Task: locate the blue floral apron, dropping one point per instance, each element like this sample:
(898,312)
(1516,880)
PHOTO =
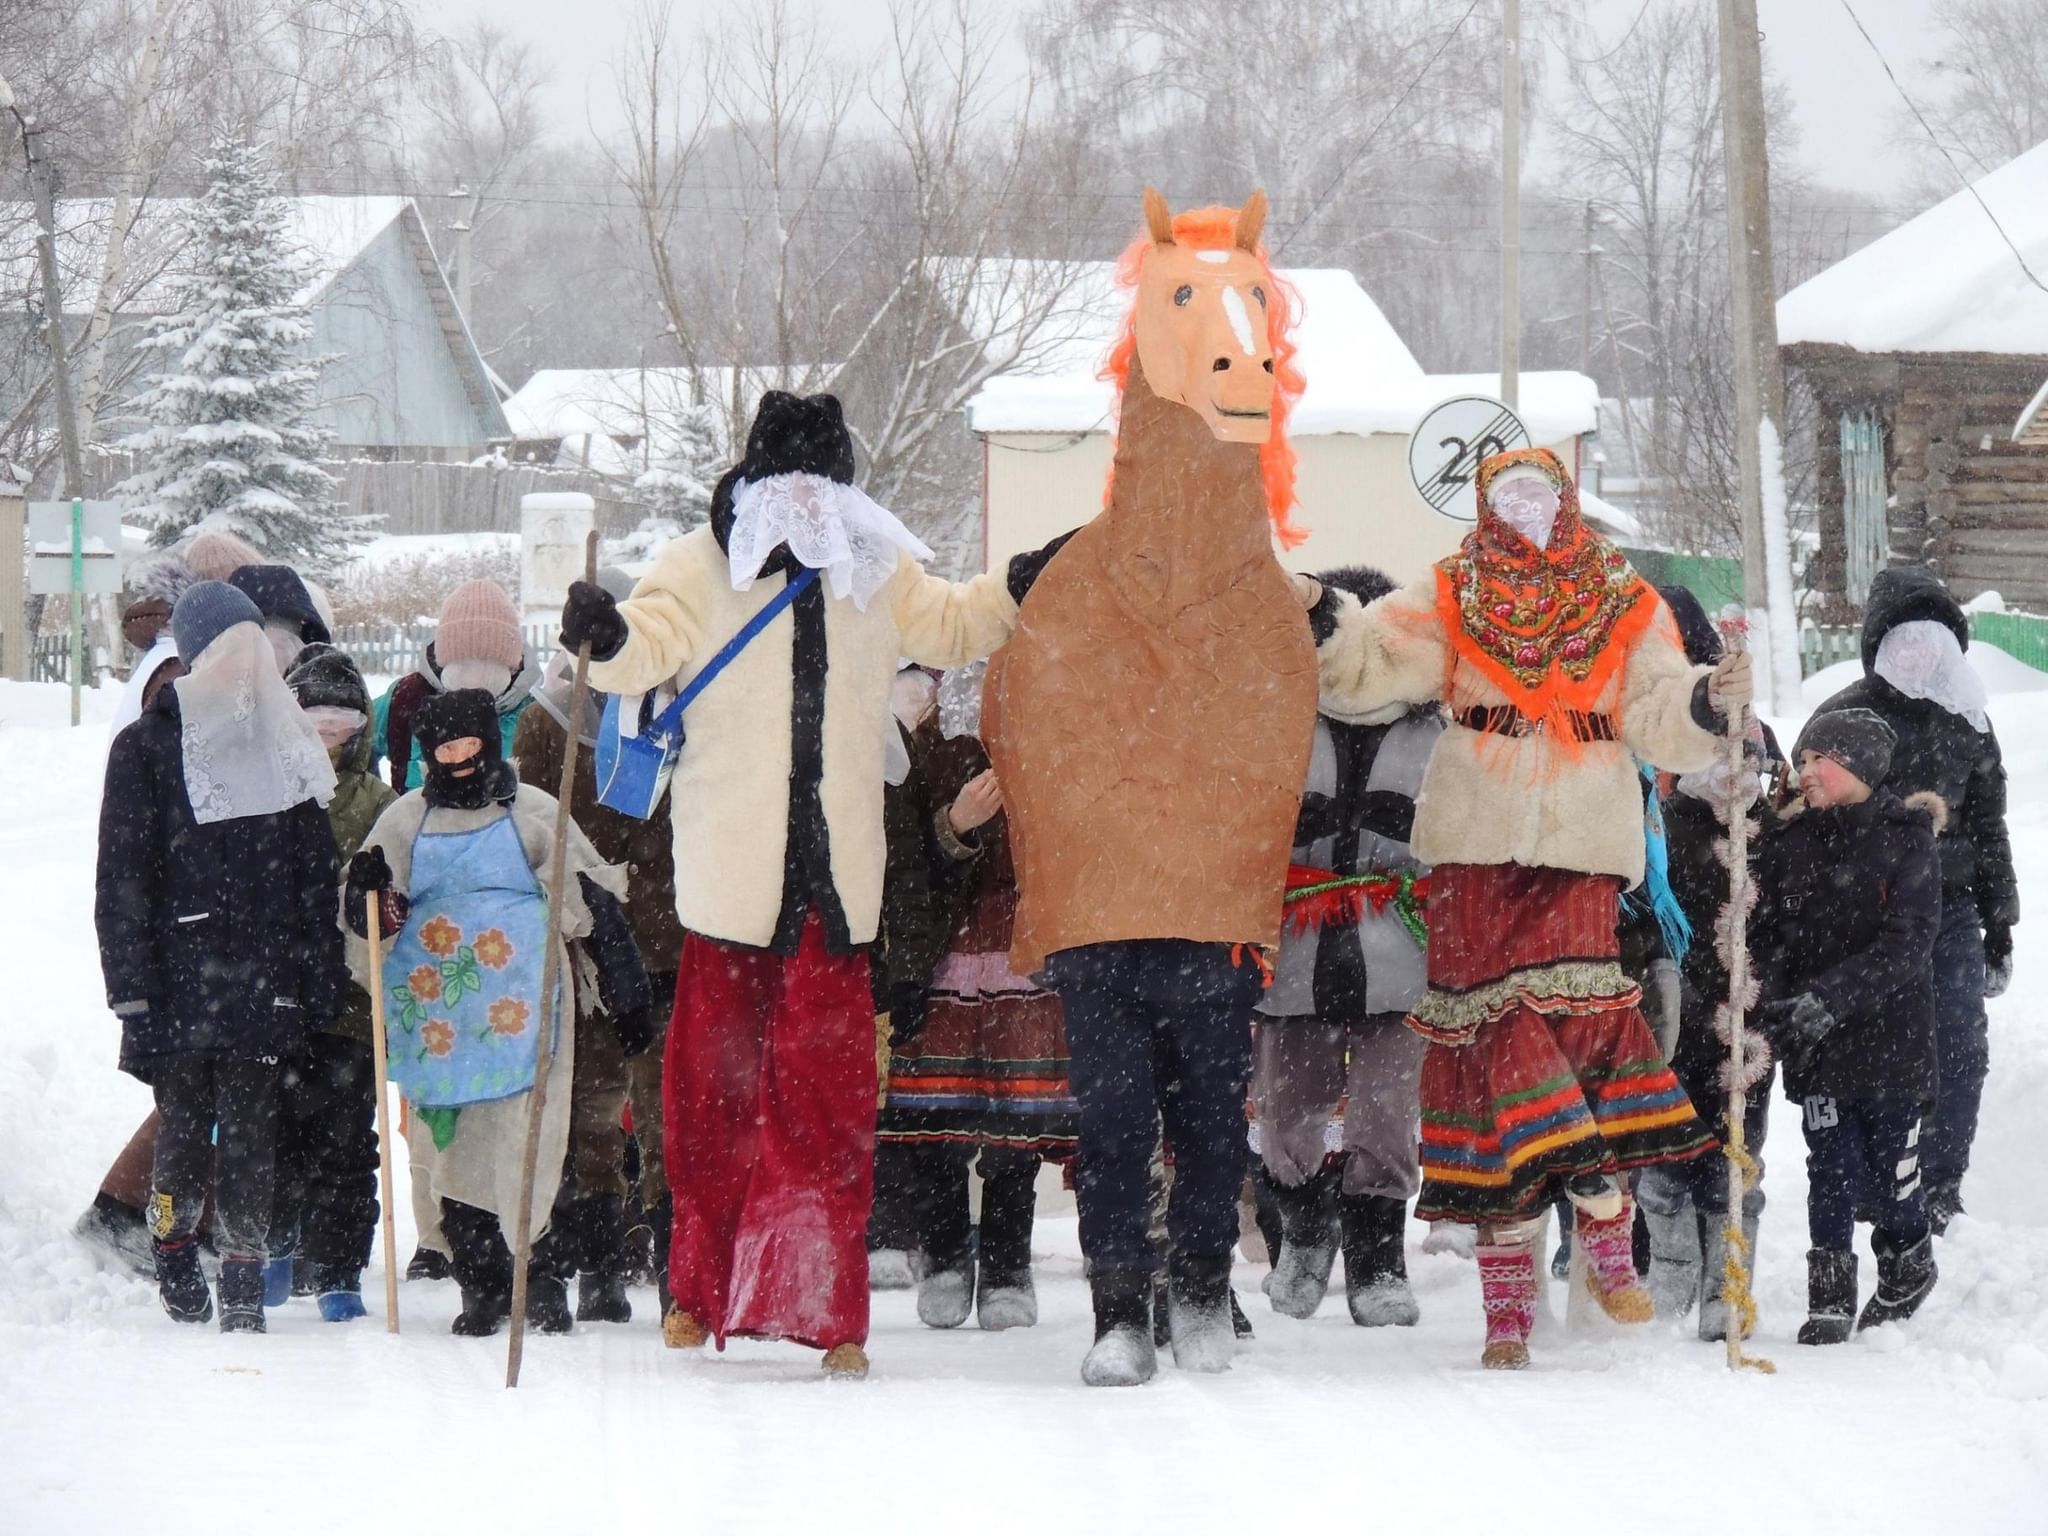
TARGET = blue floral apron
(465,1014)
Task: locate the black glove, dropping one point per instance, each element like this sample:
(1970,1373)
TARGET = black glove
(1796,1025)
(1997,959)
(592,614)
(635,1029)
(1025,569)
(367,873)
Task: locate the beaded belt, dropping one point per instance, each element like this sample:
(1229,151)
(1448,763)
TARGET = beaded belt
(1506,720)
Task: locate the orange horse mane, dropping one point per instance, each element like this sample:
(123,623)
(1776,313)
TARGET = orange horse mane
(1215,229)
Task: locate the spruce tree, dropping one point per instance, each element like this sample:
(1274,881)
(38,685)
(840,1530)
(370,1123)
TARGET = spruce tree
(677,491)
(232,442)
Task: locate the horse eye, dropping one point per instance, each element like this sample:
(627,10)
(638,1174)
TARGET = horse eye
(1259,294)
(1183,293)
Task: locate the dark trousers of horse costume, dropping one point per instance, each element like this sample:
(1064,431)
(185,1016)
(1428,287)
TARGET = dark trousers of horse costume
(1159,1030)
(769,1118)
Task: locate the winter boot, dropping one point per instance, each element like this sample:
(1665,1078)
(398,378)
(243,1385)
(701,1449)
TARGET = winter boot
(1452,1237)
(426,1264)
(1904,1277)
(180,1283)
(679,1330)
(1713,1235)
(483,1312)
(1123,1354)
(1308,1244)
(639,1267)
(119,1231)
(338,1293)
(1004,1301)
(241,1296)
(1675,1277)
(277,1280)
(600,1222)
(945,1296)
(547,1303)
(1375,1267)
(890,1269)
(1507,1289)
(482,1266)
(846,1362)
(1240,1325)
(1609,1247)
(1162,1330)
(1944,1203)
(1198,1312)
(1830,1296)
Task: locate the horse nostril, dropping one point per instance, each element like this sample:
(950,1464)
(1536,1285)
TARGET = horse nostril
(1268,365)
(1221,365)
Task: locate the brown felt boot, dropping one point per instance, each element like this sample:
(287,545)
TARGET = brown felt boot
(679,1330)
(846,1362)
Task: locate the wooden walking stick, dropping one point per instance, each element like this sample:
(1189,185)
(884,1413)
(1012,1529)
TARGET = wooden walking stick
(552,985)
(374,907)
(1732,935)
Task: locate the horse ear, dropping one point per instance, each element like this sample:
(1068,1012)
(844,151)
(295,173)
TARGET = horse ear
(1158,218)
(1251,219)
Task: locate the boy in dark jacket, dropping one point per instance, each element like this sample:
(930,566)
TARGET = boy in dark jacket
(1849,904)
(325,1215)
(215,906)
(1918,680)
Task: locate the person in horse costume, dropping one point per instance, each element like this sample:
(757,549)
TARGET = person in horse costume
(1150,723)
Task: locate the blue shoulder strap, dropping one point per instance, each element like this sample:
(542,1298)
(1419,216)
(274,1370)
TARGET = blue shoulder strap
(669,718)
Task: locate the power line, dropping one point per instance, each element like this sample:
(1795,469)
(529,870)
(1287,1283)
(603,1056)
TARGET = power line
(1602,58)
(1968,185)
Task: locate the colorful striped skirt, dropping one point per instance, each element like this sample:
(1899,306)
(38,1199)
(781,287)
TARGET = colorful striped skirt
(1540,1065)
(989,1068)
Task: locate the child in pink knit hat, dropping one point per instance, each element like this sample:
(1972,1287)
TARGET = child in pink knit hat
(477,644)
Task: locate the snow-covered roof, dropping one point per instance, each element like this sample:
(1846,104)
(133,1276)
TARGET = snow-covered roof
(1945,281)
(591,410)
(1360,375)
(334,230)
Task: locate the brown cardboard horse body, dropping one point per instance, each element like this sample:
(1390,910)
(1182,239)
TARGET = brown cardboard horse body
(1150,719)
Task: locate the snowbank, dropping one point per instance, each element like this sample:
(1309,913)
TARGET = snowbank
(2001,671)
(112,1418)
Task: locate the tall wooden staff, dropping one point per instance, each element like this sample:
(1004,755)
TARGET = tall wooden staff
(550,992)
(376,922)
(1732,937)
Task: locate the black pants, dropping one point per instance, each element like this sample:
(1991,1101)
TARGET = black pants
(1867,1148)
(1962,1036)
(1009,1203)
(1159,1030)
(194,1095)
(326,1204)
(900,1180)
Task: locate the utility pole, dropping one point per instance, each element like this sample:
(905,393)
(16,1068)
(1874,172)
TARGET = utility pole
(1586,299)
(462,229)
(1511,203)
(1759,376)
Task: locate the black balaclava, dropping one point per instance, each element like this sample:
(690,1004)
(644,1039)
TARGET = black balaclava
(490,780)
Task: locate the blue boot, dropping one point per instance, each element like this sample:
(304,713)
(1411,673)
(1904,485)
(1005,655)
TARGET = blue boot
(339,1292)
(277,1280)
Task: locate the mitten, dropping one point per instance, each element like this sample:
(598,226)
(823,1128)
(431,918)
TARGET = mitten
(1026,568)
(368,872)
(592,614)
(1997,960)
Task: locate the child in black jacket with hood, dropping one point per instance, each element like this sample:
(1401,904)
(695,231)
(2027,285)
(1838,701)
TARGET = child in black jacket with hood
(1849,905)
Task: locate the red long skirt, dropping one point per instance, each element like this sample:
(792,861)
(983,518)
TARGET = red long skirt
(768,1089)
(1539,1065)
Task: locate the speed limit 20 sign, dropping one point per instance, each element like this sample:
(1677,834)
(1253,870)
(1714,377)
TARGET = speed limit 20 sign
(1446,449)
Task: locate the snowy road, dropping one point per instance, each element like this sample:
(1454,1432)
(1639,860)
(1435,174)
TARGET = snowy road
(111,1419)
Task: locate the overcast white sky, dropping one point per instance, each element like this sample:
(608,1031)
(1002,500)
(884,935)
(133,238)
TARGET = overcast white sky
(1846,108)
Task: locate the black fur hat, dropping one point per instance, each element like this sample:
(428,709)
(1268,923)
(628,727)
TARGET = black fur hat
(798,434)
(1361,581)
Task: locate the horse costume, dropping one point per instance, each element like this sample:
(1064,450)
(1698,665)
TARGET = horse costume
(1150,723)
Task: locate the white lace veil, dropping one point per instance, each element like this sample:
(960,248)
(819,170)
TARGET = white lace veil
(249,749)
(830,527)
(1924,660)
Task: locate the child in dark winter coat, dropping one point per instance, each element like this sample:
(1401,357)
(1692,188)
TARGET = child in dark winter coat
(325,1216)
(215,909)
(1332,1025)
(459,869)
(1849,889)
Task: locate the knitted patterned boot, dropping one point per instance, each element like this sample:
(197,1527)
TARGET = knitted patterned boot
(1507,1289)
(1609,1248)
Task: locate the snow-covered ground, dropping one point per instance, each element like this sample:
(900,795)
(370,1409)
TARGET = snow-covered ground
(111,1418)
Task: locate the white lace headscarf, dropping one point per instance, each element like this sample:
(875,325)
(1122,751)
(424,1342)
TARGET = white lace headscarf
(1924,660)
(249,749)
(830,527)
